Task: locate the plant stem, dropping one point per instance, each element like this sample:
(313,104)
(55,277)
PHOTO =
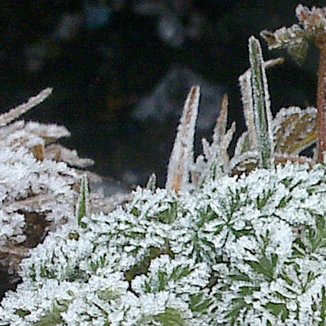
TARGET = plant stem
(321,100)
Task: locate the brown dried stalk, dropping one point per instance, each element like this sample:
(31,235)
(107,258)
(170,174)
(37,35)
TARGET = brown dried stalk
(321,101)
(181,157)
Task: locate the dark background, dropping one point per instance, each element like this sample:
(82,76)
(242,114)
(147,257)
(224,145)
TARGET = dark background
(105,63)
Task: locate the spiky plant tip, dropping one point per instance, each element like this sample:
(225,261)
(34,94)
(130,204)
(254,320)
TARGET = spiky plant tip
(82,207)
(261,103)
(181,158)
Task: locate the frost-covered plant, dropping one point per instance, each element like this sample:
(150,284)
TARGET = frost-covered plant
(37,182)
(216,247)
(296,39)
(245,251)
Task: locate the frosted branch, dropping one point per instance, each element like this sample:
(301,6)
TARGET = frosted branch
(15,113)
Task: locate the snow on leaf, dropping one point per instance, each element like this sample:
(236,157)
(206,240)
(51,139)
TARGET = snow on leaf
(50,132)
(294,39)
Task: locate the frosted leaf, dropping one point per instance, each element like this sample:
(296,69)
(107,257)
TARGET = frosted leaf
(182,154)
(252,240)
(313,20)
(247,100)
(15,113)
(215,159)
(261,100)
(293,39)
(248,106)
(37,194)
(49,132)
(60,153)
(245,162)
(294,129)
(296,38)
(242,145)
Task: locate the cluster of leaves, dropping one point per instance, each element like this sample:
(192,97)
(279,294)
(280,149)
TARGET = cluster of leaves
(311,28)
(213,248)
(241,250)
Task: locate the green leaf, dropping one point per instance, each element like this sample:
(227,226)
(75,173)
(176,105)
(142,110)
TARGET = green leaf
(278,309)
(22,312)
(53,317)
(108,295)
(171,317)
(200,306)
(261,101)
(82,208)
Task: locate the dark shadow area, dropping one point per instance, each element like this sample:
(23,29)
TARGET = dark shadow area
(104,57)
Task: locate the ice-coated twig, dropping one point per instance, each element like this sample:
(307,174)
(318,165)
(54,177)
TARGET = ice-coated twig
(247,100)
(16,112)
(181,157)
(82,207)
(261,101)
